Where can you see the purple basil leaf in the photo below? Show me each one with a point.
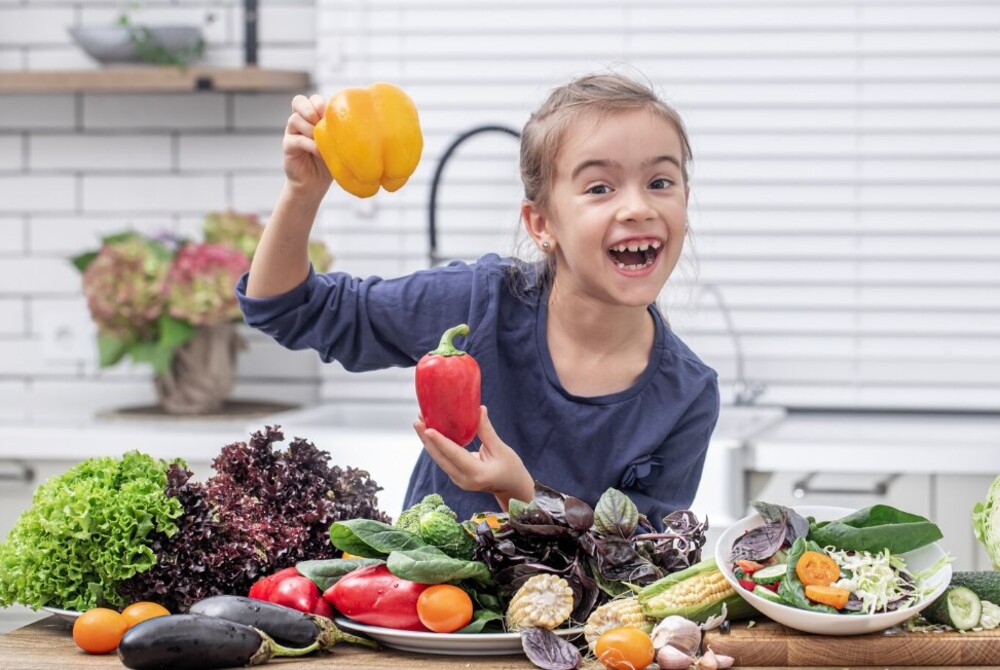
(796, 526)
(549, 651)
(615, 514)
(760, 543)
(579, 515)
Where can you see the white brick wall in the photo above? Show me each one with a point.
(76, 167)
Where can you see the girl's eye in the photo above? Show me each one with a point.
(599, 189)
(660, 183)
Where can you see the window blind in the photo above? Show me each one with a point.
(845, 189)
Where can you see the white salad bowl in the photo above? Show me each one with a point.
(821, 622)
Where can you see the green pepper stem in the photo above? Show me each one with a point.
(446, 347)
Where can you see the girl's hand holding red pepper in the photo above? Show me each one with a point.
(495, 468)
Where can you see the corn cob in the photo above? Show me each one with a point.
(618, 613)
(545, 601)
(695, 593)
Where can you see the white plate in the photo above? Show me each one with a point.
(454, 644)
(69, 616)
(821, 622)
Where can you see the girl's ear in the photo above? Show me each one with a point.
(535, 223)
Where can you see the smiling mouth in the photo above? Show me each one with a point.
(634, 255)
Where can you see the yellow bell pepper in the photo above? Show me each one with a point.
(370, 138)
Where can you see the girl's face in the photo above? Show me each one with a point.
(617, 211)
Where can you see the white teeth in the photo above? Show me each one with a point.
(637, 246)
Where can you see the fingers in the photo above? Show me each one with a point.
(487, 434)
(311, 109)
(293, 143)
(457, 463)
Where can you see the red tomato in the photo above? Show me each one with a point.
(299, 593)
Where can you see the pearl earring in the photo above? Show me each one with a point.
(545, 245)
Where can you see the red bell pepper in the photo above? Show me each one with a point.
(291, 588)
(448, 389)
(372, 595)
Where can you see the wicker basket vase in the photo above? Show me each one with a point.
(202, 372)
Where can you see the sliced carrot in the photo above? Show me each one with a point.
(834, 596)
(817, 569)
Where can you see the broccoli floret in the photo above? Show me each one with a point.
(444, 532)
(409, 520)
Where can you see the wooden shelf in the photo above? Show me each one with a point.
(153, 79)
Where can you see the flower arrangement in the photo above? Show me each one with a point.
(150, 295)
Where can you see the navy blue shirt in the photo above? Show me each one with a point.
(648, 440)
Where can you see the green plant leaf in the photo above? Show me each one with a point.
(326, 573)
(110, 350)
(119, 237)
(154, 354)
(83, 260)
(479, 620)
(174, 332)
(430, 565)
(876, 528)
(615, 514)
(371, 539)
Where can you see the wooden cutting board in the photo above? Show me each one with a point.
(770, 644)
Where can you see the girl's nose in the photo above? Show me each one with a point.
(635, 205)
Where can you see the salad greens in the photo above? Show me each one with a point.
(865, 545)
(88, 531)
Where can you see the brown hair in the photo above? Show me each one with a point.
(599, 94)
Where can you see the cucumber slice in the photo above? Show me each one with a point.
(770, 574)
(767, 594)
(958, 607)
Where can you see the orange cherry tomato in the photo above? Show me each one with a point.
(624, 648)
(816, 569)
(444, 608)
(142, 610)
(99, 630)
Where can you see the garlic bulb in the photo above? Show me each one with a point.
(672, 658)
(679, 633)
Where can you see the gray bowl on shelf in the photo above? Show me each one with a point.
(111, 45)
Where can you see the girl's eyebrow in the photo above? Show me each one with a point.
(605, 163)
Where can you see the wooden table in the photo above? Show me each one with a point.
(48, 645)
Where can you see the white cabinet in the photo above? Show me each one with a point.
(909, 492)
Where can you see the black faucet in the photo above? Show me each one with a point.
(436, 181)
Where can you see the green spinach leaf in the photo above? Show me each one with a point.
(480, 619)
(326, 573)
(430, 565)
(368, 538)
(874, 529)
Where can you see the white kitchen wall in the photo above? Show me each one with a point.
(75, 167)
(845, 189)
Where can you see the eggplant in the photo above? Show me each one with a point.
(284, 624)
(196, 642)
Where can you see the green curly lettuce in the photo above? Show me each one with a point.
(86, 532)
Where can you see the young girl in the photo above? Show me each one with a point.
(586, 385)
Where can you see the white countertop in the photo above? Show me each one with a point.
(878, 442)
